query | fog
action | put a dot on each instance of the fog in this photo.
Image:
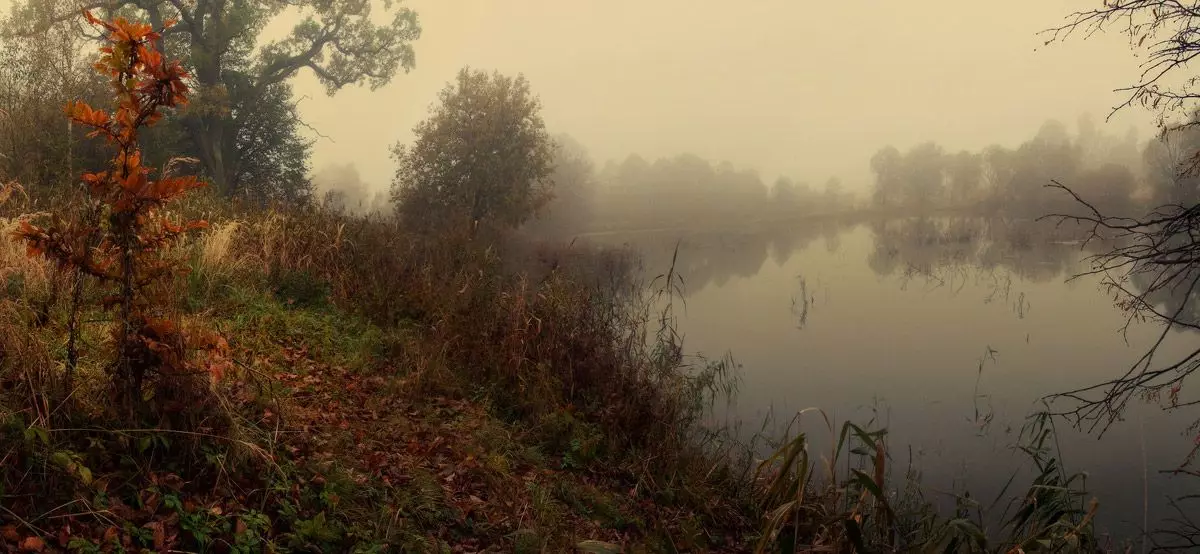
(804, 89)
(781, 87)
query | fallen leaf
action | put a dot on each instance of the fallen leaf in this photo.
(32, 544)
(160, 536)
(9, 532)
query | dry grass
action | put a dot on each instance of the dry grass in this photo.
(24, 359)
(293, 241)
(217, 247)
(34, 274)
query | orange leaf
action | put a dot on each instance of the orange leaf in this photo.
(133, 160)
(32, 544)
(159, 534)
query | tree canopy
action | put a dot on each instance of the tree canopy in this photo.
(218, 41)
(482, 157)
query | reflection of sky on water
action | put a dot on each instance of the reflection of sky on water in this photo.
(896, 318)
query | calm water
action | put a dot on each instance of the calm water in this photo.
(890, 320)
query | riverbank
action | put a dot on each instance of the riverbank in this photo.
(382, 393)
(387, 392)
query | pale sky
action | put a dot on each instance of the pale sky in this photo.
(807, 89)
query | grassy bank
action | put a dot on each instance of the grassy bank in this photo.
(383, 393)
(387, 391)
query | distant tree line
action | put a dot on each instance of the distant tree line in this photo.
(1105, 169)
(681, 191)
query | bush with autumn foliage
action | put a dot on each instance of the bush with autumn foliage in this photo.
(111, 260)
(120, 243)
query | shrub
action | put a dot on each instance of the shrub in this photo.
(120, 242)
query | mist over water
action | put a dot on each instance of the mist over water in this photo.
(947, 331)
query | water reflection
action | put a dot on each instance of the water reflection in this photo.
(1034, 251)
(888, 319)
(934, 247)
(712, 258)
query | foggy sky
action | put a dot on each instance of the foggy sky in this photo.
(808, 89)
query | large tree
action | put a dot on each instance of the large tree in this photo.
(270, 151)
(482, 157)
(338, 40)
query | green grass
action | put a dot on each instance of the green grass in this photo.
(258, 320)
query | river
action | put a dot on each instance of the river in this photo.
(947, 331)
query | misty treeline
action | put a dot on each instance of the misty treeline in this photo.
(1106, 169)
(1115, 173)
(684, 191)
